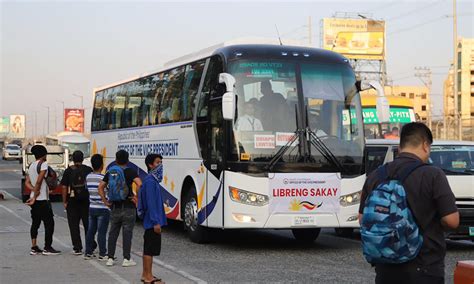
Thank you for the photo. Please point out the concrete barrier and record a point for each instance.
(464, 272)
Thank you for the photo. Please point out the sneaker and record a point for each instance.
(89, 256)
(35, 250)
(128, 262)
(110, 262)
(77, 252)
(51, 251)
(103, 258)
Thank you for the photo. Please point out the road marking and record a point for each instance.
(95, 264)
(173, 269)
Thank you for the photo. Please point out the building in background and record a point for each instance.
(465, 88)
(419, 95)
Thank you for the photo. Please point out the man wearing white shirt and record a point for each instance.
(39, 201)
(248, 121)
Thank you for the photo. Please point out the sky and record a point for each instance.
(52, 50)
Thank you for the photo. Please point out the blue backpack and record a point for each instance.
(117, 185)
(389, 232)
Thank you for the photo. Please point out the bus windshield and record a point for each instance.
(454, 160)
(83, 147)
(270, 104)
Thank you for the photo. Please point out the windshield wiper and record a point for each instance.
(283, 150)
(324, 150)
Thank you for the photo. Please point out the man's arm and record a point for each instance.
(450, 221)
(101, 190)
(64, 187)
(28, 183)
(64, 194)
(37, 188)
(152, 206)
(138, 182)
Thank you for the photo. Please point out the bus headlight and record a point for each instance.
(350, 199)
(247, 197)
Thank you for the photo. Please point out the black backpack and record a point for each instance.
(78, 183)
(51, 177)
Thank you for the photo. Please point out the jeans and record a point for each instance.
(77, 210)
(41, 211)
(121, 217)
(98, 222)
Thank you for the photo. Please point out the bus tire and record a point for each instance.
(306, 235)
(344, 232)
(197, 233)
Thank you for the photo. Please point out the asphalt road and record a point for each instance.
(257, 255)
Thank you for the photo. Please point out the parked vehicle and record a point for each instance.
(57, 159)
(455, 158)
(11, 152)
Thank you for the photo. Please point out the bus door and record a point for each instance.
(210, 128)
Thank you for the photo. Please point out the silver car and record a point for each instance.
(11, 152)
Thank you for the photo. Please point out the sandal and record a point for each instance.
(155, 279)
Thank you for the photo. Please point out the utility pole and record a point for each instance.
(455, 74)
(62, 115)
(310, 31)
(424, 73)
(48, 119)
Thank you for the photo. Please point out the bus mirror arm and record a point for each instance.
(382, 104)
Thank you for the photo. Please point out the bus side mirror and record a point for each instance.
(228, 99)
(382, 105)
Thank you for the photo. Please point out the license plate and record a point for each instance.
(471, 231)
(303, 221)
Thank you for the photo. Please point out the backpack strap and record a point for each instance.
(409, 170)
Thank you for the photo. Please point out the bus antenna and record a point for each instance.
(278, 33)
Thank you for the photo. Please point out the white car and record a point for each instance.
(11, 152)
(455, 158)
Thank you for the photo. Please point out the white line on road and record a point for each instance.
(95, 264)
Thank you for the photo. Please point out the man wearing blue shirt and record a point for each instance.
(151, 210)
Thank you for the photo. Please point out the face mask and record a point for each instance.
(157, 172)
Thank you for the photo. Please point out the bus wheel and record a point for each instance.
(306, 235)
(344, 232)
(196, 232)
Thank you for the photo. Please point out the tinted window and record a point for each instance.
(96, 115)
(133, 106)
(190, 88)
(171, 102)
(118, 97)
(375, 158)
(149, 85)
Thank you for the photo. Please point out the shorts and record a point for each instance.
(152, 243)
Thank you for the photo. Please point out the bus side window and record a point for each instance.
(96, 115)
(171, 100)
(157, 98)
(134, 101)
(375, 157)
(191, 87)
(148, 87)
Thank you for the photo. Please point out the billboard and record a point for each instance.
(4, 125)
(74, 119)
(17, 126)
(355, 38)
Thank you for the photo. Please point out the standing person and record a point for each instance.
(99, 213)
(76, 199)
(430, 204)
(39, 201)
(151, 210)
(119, 180)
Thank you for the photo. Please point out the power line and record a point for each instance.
(418, 25)
(417, 10)
(384, 6)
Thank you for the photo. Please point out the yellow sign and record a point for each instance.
(354, 38)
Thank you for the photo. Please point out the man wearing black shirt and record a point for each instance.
(432, 203)
(123, 213)
(76, 199)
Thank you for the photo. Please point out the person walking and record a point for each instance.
(76, 199)
(99, 213)
(151, 210)
(119, 180)
(429, 208)
(39, 202)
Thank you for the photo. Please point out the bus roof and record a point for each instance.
(261, 47)
(371, 100)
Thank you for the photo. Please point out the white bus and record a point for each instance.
(70, 140)
(251, 134)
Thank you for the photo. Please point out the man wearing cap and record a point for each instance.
(39, 201)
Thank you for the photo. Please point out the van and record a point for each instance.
(455, 158)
